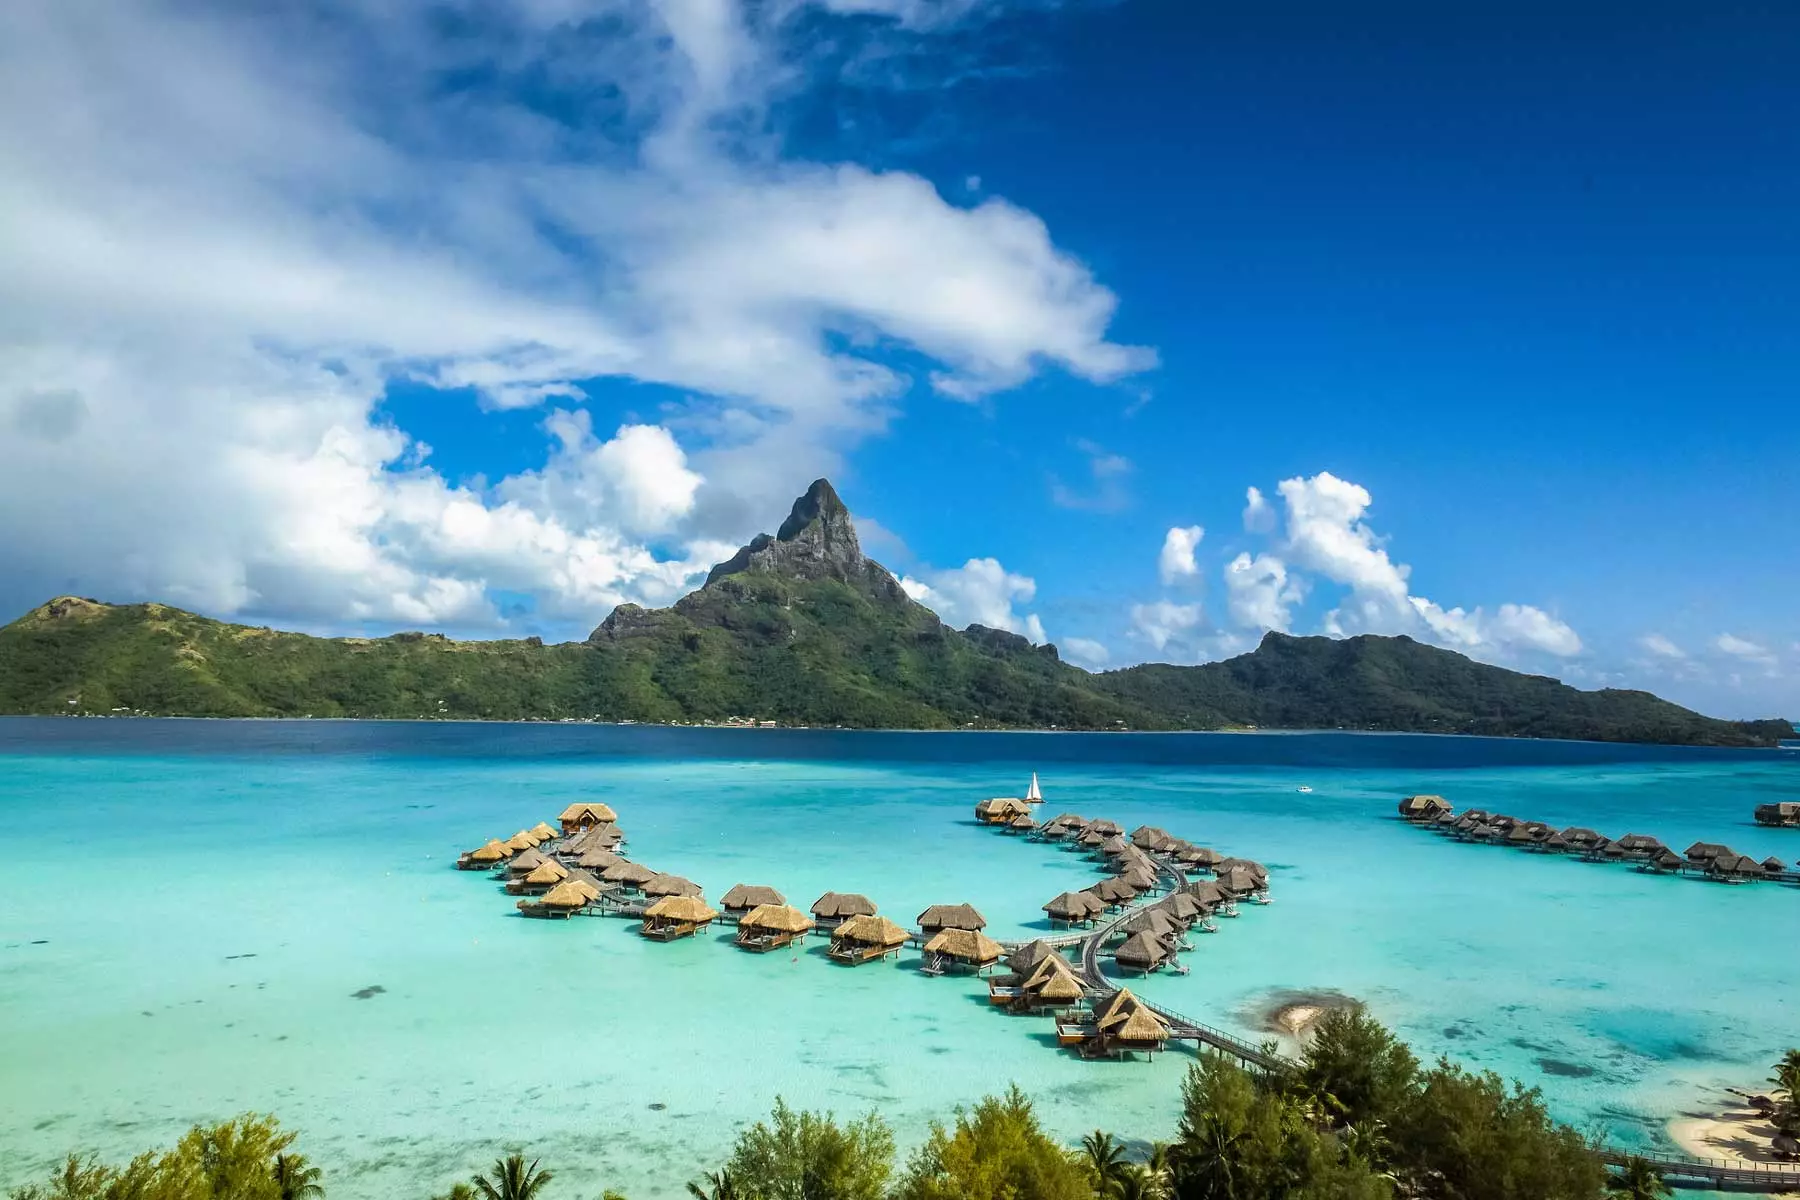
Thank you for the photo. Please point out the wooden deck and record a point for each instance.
(1715, 1174)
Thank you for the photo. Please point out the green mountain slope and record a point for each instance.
(800, 628)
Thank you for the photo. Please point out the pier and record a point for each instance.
(1714, 1174)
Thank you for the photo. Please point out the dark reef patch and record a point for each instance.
(373, 990)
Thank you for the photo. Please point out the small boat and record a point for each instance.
(1304, 789)
(1034, 794)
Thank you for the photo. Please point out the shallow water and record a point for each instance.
(208, 917)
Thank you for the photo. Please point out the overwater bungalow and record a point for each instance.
(1773, 866)
(564, 900)
(1664, 862)
(1182, 906)
(866, 937)
(835, 907)
(1140, 878)
(543, 832)
(484, 857)
(1051, 984)
(1113, 846)
(522, 864)
(676, 916)
(1091, 839)
(628, 875)
(961, 947)
(1199, 857)
(545, 876)
(1105, 827)
(1025, 959)
(1153, 921)
(745, 896)
(670, 885)
(522, 841)
(1581, 839)
(951, 916)
(1063, 824)
(1150, 837)
(1424, 807)
(598, 860)
(1782, 813)
(1142, 951)
(1701, 853)
(1638, 845)
(1127, 1024)
(1075, 908)
(1001, 810)
(769, 926)
(1734, 868)
(1021, 824)
(586, 815)
(1114, 892)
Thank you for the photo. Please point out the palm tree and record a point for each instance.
(296, 1179)
(1105, 1156)
(1210, 1157)
(512, 1180)
(1787, 1076)
(1161, 1163)
(1638, 1180)
(458, 1191)
(1135, 1183)
(722, 1185)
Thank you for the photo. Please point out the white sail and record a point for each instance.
(1034, 795)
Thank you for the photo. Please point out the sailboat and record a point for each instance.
(1034, 794)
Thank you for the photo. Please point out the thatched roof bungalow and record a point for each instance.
(1638, 844)
(768, 926)
(1773, 865)
(598, 860)
(1241, 881)
(833, 907)
(542, 878)
(951, 916)
(1105, 827)
(1181, 906)
(1734, 868)
(1000, 810)
(529, 861)
(670, 885)
(676, 916)
(1114, 891)
(1202, 857)
(1026, 958)
(563, 900)
(1153, 921)
(866, 937)
(1142, 951)
(745, 896)
(1665, 862)
(1782, 813)
(1208, 894)
(1075, 908)
(965, 947)
(1021, 824)
(1425, 807)
(1063, 824)
(586, 815)
(1151, 837)
(485, 856)
(628, 874)
(544, 832)
(1701, 853)
(522, 841)
(1139, 878)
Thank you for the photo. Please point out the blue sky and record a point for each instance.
(485, 316)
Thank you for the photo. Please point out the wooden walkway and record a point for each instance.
(1718, 1174)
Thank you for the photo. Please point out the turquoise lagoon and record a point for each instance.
(201, 918)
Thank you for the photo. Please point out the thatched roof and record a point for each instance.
(1240, 880)
(1001, 807)
(1248, 864)
(544, 831)
(1705, 851)
(1116, 1008)
(1772, 863)
(1092, 837)
(1179, 905)
(1113, 891)
(1113, 845)
(1638, 843)
(843, 904)
(751, 895)
(492, 852)
(1152, 921)
(1423, 805)
(669, 885)
(1139, 878)
(1105, 827)
(1667, 859)
(952, 916)
(549, 871)
(590, 808)
(598, 860)
(1200, 856)
(1150, 837)
(571, 893)
(690, 909)
(627, 872)
(1028, 956)
(970, 945)
(1054, 964)
(871, 930)
(1059, 987)
(776, 917)
(521, 841)
(1066, 821)
(607, 836)
(1141, 1025)
(1207, 893)
(1075, 906)
(1735, 864)
(530, 860)
(1143, 949)
(1022, 822)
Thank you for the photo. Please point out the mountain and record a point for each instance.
(803, 628)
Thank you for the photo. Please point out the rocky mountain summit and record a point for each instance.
(817, 541)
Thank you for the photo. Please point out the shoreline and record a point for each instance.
(1726, 1126)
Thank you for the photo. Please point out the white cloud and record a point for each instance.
(1085, 651)
(1107, 472)
(1740, 647)
(1163, 621)
(1661, 646)
(1259, 594)
(1327, 534)
(1177, 558)
(225, 234)
(980, 592)
(1259, 514)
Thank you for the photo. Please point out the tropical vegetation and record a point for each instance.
(1357, 1119)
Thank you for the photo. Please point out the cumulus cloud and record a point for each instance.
(1163, 621)
(1327, 533)
(980, 592)
(1747, 651)
(1177, 559)
(1259, 593)
(227, 232)
(1661, 646)
(1085, 651)
(1259, 514)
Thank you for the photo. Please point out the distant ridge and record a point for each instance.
(800, 628)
